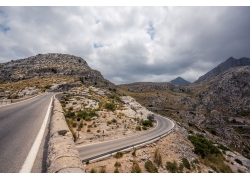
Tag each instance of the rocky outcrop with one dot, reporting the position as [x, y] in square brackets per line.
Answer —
[51, 65]
[134, 109]
[229, 63]
[62, 154]
[228, 92]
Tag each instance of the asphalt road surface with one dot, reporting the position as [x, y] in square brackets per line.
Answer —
[19, 126]
[87, 152]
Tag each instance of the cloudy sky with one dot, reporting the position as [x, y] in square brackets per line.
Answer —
[130, 44]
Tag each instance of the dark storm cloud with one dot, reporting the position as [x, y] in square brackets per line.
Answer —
[129, 44]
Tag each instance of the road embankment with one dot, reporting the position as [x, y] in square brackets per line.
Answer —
[63, 157]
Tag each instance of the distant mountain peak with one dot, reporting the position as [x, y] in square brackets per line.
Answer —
[180, 81]
[224, 66]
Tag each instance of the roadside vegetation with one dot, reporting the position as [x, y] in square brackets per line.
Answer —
[150, 167]
[135, 167]
[209, 154]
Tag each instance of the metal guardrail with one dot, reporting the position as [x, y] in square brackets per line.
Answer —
[110, 153]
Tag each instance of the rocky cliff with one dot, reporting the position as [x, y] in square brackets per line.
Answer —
[228, 92]
[51, 65]
[229, 63]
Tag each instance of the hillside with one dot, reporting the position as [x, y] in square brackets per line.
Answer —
[229, 63]
[180, 81]
[218, 107]
[152, 86]
[51, 72]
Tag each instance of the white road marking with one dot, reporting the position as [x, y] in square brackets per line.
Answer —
[29, 162]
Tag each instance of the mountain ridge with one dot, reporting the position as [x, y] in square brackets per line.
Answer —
[180, 81]
[222, 67]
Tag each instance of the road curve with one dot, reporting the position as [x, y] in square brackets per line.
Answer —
[19, 126]
[92, 151]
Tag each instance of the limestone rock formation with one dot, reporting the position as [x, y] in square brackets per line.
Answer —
[229, 63]
[51, 65]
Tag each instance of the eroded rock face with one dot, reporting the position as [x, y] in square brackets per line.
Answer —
[51, 65]
[229, 92]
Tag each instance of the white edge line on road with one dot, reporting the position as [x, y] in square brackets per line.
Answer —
[29, 162]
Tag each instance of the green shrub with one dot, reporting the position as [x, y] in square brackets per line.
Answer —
[147, 123]
[74, 103]
[103, 169]
[87, 114]
[92, 170]
[150, 167]
[203, 146]
[157, 157]
[71, 109]
[138, 128]
[181, 166]
[186, 163]
[118, 155]
[47, 86]
[114, 121]
[172, 167]
[210, 154]
[74, 124]
[110, 106]
[70, 114]
[88, 130]
[144, 128]
[116, 170]
[114, 96]
[135, 167]
[134, 152]
[117, 164]
[81, 124]
[223, 147]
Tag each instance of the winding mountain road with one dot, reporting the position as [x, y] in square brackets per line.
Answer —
[19, 126]
[93, 151]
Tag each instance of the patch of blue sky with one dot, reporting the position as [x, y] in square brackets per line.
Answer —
[97, 45]
[4, 28]
[151, 30]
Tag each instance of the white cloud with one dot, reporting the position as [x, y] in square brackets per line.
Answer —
[130, 44]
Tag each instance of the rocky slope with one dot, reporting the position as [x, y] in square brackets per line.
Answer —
[180, 81]
[218, 108]
[152, 86]
[50, 65]
[229, 63]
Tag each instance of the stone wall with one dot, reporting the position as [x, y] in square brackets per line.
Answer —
[63, 157]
